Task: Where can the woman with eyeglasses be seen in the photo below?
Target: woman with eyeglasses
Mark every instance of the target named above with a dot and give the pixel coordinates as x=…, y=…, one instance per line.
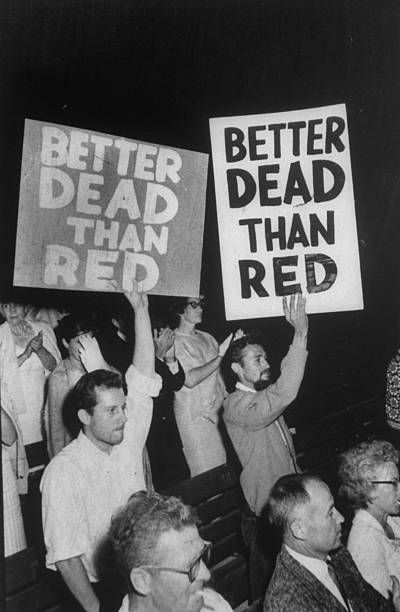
x=370, y=481
x=198, y=402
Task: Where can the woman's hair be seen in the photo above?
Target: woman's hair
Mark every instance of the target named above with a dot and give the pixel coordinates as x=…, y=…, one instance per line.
x=358, y=469
x=177, y=307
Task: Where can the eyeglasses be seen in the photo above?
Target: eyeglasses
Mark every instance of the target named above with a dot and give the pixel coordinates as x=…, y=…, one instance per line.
x=193, y=571
x=394, y=483
x=196, y=304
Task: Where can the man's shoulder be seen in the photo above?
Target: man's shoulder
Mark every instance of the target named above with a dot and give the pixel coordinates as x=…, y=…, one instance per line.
x=58, y=372
x=68, y=461
x=239, y=399
x=284, y=589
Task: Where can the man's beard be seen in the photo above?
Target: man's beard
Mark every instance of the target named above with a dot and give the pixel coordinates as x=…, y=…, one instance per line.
x=262, y=383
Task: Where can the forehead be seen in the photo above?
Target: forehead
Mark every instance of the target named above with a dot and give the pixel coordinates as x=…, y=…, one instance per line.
x=14, y=304
x=109, y=397
x=252, y=351
x=184, y=545
x=321, y=497
x=388, y=470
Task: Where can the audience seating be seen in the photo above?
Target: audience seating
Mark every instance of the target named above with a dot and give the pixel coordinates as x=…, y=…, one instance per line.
x=218, y=499
x=25, y=588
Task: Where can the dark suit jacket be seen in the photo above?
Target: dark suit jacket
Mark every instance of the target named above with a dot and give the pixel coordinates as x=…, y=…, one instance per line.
x=294, y=589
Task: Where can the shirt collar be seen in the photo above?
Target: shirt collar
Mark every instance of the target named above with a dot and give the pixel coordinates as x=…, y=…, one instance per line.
x=91, y=448
x=243, y=387
x=315, y=566
x=365, y=517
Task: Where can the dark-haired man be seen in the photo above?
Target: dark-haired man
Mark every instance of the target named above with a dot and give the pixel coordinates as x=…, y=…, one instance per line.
x=253, y=412
x=253, y=415
x=313, y=572
x=98, y=471
x=162, y=557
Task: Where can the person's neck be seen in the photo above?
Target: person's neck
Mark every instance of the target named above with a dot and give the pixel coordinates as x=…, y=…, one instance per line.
x=246, y=383
x=186, y=328
x=142, y=604
x=102, y=446
x=379, y=515
x=302, y=548
x=74, y=364
x=20, y=329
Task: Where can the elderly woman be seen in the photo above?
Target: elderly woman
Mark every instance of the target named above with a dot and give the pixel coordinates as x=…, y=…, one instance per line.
x=28, y=353
x=198, y=402
x=370, y=482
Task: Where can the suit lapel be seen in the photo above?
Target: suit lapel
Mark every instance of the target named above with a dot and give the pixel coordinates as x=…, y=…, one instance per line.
x=316, y=591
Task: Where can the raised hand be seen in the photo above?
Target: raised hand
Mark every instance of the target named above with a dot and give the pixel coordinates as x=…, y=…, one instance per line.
x=90, y=353
x=295, y=312
x=137, y=299
x=395, y=593
x=36, y=343
x=164, y=343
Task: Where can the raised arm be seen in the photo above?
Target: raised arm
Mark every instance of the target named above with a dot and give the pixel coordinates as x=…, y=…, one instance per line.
x=143, y=354
x=196, y=375
x=295, y=314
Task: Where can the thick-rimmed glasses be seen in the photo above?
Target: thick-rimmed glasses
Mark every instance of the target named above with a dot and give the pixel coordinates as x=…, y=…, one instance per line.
x=193, y=571
x=195, y=305
x=394, y=483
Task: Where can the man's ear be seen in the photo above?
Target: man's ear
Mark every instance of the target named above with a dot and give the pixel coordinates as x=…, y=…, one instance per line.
x=84, y=416
x=297, y=529
x=236, y=368
x=141, y=580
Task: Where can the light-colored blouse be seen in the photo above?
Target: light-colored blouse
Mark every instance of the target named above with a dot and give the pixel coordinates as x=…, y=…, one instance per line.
x=376, y=556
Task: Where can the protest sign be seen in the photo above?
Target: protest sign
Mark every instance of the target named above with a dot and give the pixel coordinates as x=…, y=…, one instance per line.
x=286, y=217
x=96, y=211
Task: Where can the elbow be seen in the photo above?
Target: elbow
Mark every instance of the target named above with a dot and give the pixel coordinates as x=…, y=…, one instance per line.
x=189, y=383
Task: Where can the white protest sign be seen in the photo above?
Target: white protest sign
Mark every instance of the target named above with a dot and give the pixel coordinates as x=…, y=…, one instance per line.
x=96, y=211
x=285, y=206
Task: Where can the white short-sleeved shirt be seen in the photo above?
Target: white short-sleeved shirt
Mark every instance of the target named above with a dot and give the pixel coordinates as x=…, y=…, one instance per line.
x=82, y=486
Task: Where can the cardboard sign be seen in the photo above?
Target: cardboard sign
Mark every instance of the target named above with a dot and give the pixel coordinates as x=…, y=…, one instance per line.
x=286, y=216
x=96, y=211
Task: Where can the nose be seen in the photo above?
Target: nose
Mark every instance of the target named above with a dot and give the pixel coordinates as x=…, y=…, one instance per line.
x=339, y=517
x=122, y=416
x=204, y=572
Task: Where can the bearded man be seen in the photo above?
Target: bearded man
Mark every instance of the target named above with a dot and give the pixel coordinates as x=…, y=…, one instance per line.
x=253, y=415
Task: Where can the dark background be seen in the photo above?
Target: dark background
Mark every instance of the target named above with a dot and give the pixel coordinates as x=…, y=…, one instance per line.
x=156, y=70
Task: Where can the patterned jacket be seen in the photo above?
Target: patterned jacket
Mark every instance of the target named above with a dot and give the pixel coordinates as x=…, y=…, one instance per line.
x=294, y=589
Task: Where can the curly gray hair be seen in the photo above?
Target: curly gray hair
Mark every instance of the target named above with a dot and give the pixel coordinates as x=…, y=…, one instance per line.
x=358, y=469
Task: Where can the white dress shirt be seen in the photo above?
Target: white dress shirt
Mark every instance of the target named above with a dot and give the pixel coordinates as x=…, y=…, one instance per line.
x=319, y=569
x=82, y=486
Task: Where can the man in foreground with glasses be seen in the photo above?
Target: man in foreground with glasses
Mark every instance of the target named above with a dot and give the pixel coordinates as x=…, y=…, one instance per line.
x=162, y=557
x=313, y=572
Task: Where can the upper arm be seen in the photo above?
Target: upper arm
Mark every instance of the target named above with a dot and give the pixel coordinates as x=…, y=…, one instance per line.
x=250, y=410
x=63, y=512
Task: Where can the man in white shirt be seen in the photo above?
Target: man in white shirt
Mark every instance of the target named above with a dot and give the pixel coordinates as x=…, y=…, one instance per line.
x=97, y=472
x=162, y=557
x=313, y=572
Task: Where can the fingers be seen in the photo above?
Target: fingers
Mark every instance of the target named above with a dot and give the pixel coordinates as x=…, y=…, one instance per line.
x=395, y=584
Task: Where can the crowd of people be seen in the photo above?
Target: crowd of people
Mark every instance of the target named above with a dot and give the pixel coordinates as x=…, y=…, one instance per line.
x=117, y=412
